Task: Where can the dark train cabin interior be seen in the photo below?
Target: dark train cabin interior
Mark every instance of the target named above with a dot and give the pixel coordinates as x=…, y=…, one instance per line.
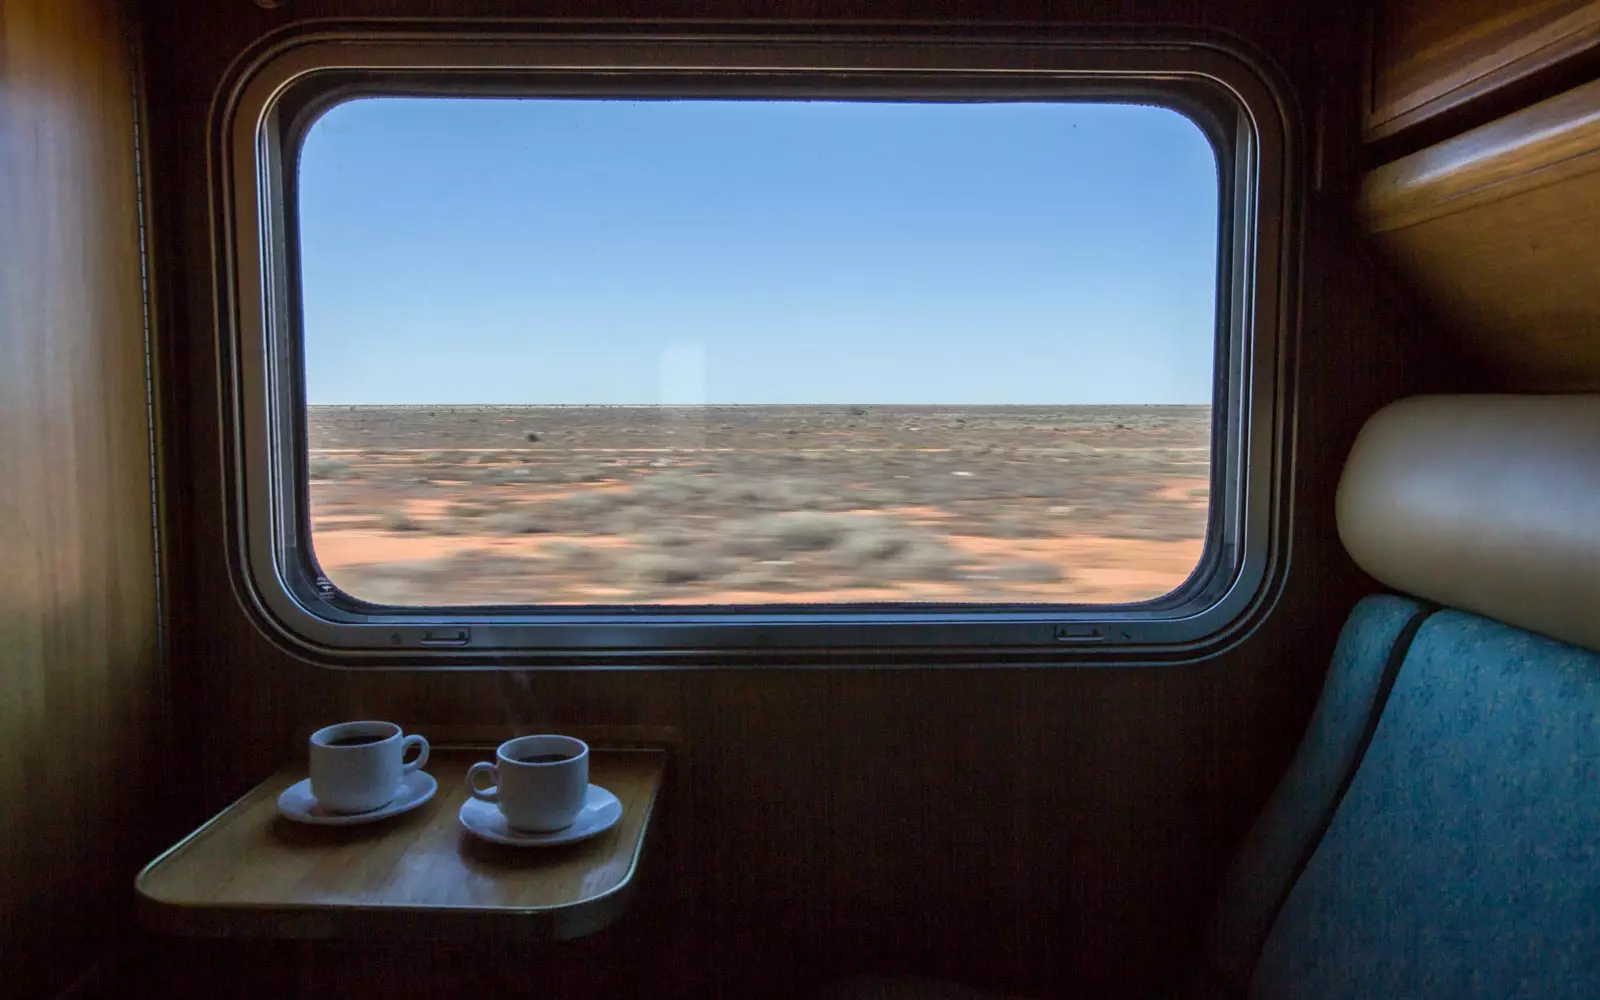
x=1281, y=680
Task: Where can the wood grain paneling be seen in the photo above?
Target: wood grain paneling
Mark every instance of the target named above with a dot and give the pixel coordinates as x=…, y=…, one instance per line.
x=1048, y=831
x=80, y=687
x=1500, y=226
x=1433, y=56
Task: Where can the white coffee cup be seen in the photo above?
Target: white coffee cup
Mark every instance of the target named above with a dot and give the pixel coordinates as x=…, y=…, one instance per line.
x=540, y=782
x=359, y=766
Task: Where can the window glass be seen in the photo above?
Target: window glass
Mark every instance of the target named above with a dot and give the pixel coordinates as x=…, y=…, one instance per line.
x=708, y=352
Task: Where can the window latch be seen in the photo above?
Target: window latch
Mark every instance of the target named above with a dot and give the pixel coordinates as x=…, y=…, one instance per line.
x=446, y=637
x=1080, y=633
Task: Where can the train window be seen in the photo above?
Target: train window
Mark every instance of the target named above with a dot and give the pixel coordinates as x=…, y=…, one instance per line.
x=556, y=361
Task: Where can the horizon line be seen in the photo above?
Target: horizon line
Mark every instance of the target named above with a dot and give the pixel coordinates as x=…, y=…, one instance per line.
x=707, y=406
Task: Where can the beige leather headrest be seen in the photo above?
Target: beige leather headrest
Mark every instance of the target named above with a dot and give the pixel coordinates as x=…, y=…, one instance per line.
x=1486, y=503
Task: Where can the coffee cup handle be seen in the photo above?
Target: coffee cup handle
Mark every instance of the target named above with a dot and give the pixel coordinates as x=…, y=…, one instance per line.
x=421, y=743
x=490, y=794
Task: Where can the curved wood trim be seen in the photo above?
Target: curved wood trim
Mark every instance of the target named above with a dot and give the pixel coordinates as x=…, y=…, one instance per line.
x=1538, y=50
x=1549, y=142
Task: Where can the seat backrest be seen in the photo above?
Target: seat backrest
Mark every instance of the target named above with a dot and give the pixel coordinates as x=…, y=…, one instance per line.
x=1464, y=858
x=1438, y=834
x=1290, y=825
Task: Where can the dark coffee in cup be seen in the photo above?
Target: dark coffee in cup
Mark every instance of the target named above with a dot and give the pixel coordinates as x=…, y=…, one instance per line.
x=543, y=758
x=355, y=741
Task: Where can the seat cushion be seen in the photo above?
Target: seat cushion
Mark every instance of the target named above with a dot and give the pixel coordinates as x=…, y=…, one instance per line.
x=1464, y=859
x=1271, y=854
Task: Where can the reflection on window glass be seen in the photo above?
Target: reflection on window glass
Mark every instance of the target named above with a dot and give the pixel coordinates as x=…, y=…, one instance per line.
x=713, y=352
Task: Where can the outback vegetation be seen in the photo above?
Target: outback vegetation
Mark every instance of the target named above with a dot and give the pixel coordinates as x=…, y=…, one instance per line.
x=461, y=505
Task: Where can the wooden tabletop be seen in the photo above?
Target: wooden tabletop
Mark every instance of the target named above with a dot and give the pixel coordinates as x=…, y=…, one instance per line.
x=251, y=873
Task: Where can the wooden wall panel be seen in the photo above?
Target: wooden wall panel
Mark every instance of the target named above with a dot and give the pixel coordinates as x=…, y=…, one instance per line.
x=1500, y=227
x=1433, y=56
x=819, y=821
x=80, y=685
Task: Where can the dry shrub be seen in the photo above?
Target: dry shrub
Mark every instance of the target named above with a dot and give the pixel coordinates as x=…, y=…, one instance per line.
x=771, y=535
x=875, y=541
x=671, y=568
x=493, y=476
x=398, y=520
x=927, y=560
x=413, y=570
x=330, y=469
x=470, y=509
x=672, y=489
x=764, y=494
x=516, y=522
x=1013, y=526
x=667, y=538
x=574, y=555
x=1029, y=572
x=759, y=577
x=589, y=504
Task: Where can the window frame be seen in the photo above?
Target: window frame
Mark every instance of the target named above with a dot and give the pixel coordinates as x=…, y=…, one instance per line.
x=272, y=99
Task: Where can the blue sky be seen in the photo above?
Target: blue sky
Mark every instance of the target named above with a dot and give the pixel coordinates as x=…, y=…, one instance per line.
x=565, y=251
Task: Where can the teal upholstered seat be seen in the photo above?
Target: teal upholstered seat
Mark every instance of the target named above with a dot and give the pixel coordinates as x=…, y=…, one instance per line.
x=1464, y=859
x=1288, y=827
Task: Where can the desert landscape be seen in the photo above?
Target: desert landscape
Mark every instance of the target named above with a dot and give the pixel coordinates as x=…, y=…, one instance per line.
x=474, y=505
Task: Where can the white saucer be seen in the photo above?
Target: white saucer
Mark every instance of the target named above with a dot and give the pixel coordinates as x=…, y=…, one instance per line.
x=600, y=812
x=297, y=802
